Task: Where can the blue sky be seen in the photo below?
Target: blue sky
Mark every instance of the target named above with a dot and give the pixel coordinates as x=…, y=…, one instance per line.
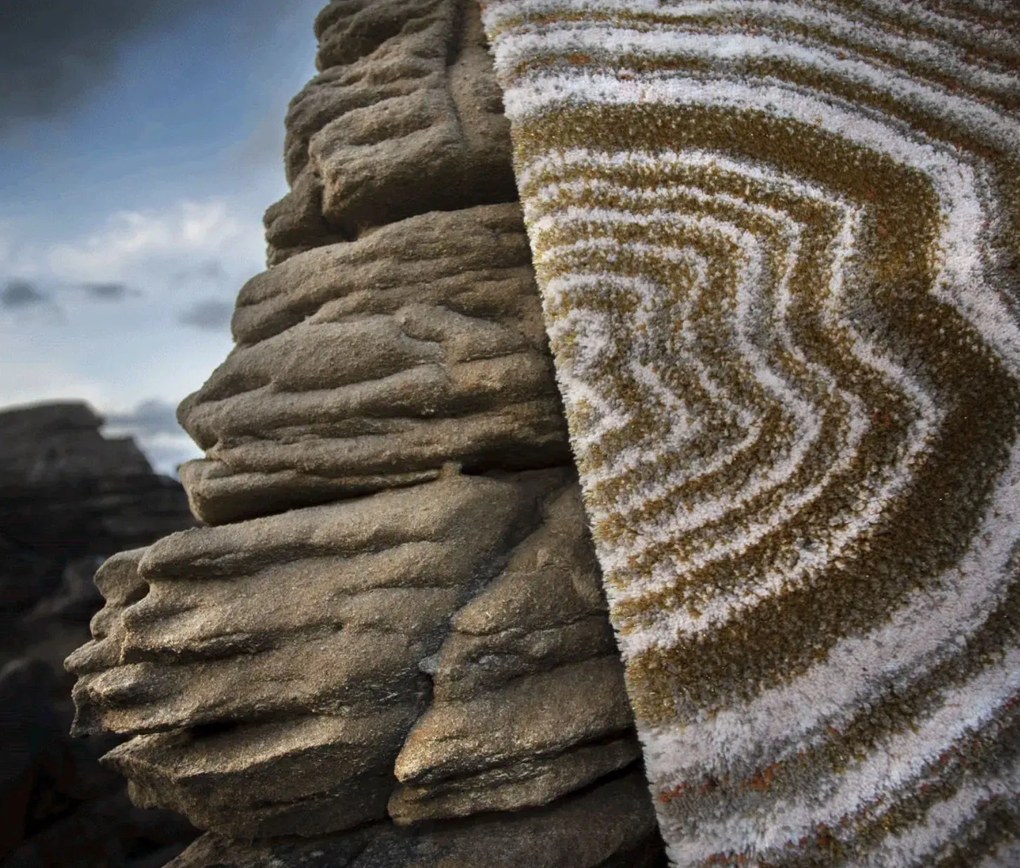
x=140, y=143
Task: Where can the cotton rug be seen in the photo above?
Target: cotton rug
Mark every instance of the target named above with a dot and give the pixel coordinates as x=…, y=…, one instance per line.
x=779, y=250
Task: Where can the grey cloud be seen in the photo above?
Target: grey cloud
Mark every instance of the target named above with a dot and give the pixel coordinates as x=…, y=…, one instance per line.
x=18, y=294
x=208, y=315
x=210, y=270
x=108, y=291
x=53, y=52
x=264, y=144
x=148, y=419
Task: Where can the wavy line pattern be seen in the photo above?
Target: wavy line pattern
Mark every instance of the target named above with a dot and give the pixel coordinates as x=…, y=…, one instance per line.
x=779, y=250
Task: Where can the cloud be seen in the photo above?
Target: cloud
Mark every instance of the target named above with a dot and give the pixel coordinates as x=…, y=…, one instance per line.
x=149, y=419
x=112, y=291
x=166, y=456
x=26, y=379
x=207, y=315
x=211, y=271
x=133, y=245
x=18, y=294
x=54, y=52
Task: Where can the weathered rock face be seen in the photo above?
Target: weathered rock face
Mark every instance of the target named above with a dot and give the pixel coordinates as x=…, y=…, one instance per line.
x=430, y=652
x=373, y=363
x=405, y=118
x=605, y=826
x=393, y=642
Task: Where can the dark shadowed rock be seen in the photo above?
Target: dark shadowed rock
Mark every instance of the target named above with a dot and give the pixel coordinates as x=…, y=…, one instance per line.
x=610, y=825
x=68, y=498
x=68, y=492
x=59, y=806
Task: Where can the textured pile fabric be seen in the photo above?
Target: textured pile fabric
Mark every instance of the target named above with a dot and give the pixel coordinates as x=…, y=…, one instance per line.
x=779, y=250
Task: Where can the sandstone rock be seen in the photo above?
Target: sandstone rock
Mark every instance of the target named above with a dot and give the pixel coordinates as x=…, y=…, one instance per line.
x=610, y=825
x=339, y=602
x=296, y=223
x=545, y=609
x=413, y=666
x=279, y=664
x=528, y=700
x=405, y=118
x=303, y=776
x=530, y=780
x=373, y=363
x=533, y=717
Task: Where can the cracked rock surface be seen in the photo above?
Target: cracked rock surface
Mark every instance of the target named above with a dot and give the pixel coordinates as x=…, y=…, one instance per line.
x=373, y=363
x=390, y=647
x=393, y=654
x=404, y=118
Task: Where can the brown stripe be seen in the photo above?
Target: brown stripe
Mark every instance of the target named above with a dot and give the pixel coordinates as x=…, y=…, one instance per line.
x=928, y=529
x=887, y=711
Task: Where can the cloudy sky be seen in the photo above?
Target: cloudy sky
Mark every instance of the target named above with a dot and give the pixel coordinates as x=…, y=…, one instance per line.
x=140, y=142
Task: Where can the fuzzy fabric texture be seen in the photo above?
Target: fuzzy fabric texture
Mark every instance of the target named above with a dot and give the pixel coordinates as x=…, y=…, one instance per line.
x=778, y=247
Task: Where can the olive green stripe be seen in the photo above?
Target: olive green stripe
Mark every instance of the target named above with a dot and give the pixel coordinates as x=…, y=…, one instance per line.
x=889, y=710
x=965, y=461
x=989, y=752
x=977, y=49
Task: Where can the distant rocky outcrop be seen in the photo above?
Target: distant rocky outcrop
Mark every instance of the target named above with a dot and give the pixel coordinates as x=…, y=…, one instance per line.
x=391, y=647
x=69, y=495
x=69, y=498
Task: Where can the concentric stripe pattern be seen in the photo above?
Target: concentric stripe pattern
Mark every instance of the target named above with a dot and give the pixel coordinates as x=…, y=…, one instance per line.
x=779, y=250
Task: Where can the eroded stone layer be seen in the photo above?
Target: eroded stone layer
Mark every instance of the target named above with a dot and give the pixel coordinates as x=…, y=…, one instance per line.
x=373, y=363
x=611, y=826
x=431, y=652
x=423, y=635
x=405, y=117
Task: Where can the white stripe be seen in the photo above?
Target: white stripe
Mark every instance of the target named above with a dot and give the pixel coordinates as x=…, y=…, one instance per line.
x=653, y=300
x=497, y=13
x=931, y=626
x=729, y=48
x=896, y=764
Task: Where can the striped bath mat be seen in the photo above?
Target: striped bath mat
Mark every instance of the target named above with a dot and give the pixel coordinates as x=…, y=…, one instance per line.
x=779, y=250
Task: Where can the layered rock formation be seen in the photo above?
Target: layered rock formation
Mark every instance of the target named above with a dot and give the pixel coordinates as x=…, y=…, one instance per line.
x=394, y=625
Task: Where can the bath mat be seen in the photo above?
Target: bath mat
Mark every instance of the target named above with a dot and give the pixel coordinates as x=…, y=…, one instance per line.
x=778, y=245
